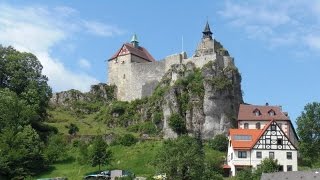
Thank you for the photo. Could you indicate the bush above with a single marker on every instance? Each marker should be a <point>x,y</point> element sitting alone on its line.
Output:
<point>219,143</point>
<point>177,123</point>
<point>56,148</point>
<point>127,140</point>
<point>144,128</point>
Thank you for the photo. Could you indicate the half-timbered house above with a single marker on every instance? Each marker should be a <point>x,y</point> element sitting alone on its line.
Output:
<point>260,135</point>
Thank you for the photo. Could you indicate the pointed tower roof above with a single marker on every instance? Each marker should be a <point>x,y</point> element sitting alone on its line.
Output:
<point>207,32</point>
<point>134,38</point>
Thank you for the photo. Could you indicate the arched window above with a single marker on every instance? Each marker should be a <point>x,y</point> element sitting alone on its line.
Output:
<point>246,125</point>
<point>258,125</point>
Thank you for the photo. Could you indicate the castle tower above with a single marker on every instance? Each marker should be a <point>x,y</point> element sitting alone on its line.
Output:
<point>207,32</point>
<point>121,68</point>
<point>207,44</point>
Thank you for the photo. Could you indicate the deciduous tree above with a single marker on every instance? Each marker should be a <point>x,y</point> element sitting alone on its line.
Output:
<point>309,131</point>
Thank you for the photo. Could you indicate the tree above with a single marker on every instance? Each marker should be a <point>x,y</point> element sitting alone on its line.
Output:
<point>20,153</point>
<point>177,124</point>
<point>98,153</point>
<point>56,148</point>
<point>21,73</point>
<point>219,143</point>
<point>183,159</point>
<point>308,129</point>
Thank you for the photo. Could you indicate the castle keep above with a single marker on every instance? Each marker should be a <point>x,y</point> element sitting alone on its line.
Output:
<point>136,73</point>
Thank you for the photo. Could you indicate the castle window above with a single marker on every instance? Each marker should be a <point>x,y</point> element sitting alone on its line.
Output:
<point>124,76</point>
<point>258,125</point>
<point>231,156</point>
<point>246,126</point>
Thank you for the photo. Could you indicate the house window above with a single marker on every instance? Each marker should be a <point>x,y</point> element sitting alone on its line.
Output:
<point>279,141</point>
<point>268,141</point>
<point>257,112</point>
<point>271,155</point>
<point>273,127</point>
<point>280,168</point>
<point>231,156</point>
<point>246,125</point>
<point>289,167</point>
<point>258,125</point>
<point>259,154</point>
<point>242,154</point>
<point>289,155</point>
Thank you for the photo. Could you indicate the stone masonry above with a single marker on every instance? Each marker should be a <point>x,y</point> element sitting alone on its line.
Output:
<point>135,73</point>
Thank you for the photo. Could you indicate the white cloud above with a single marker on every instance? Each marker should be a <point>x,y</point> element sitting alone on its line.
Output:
<point>84,63</point>
<point>101,29</point>
<point>278,23</point>
<point>36,30</point>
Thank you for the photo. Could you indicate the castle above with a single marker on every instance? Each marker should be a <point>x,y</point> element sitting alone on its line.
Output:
<point>136,73</point>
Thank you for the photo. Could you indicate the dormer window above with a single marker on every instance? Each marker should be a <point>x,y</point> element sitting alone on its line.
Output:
<point>257,112</point>
<point>271,113</point>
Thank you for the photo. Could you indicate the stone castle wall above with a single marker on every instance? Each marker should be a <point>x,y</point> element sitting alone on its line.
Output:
<point>136,80</point>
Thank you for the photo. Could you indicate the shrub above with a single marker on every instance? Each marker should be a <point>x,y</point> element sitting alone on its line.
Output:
<point>177,123</point>
<point>127,140</point>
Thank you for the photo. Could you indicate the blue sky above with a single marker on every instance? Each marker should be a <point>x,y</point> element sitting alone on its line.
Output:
<point>276,44</point>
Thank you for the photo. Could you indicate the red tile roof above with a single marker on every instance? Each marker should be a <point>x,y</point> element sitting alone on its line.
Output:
<point>137,51</point>
<point>244,144</point>
<point>247,112</point>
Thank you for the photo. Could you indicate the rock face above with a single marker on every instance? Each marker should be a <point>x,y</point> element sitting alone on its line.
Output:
<point>208,104</point>
<point>98,92</point>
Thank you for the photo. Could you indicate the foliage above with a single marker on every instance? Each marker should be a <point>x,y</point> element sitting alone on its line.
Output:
<point>98,152</point>
<point>219,143</point>
<point>21,153</point>
<point>267,165</point>
<point>144,128</point>
<point>177,123</point>
<point>221,82</point>
<point>127,140</point>
<point>72,129</point>
<point>21,73</point>
<point>308,129</point>
<point>180,159</point>
<point>56,148</point>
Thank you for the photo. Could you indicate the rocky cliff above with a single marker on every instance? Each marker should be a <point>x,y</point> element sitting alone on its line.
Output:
<point>99,92</point>
<point>188,100</point>
<point>207,99</point>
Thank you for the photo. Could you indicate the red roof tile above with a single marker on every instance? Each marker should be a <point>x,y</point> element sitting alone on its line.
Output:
<point>247,112</point>
<point>137,51</point>
<point>244,144</point>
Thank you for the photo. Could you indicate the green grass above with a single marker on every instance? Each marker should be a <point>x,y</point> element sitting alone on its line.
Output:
<point>137,159</point>
<point>86,123</point>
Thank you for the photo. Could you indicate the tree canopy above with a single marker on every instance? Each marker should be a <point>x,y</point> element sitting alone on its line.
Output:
<point>309,131</point>
<point>24,97</point>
